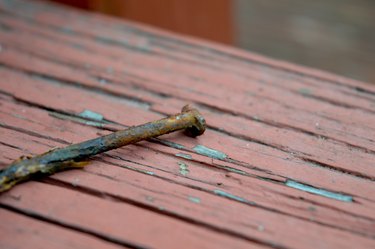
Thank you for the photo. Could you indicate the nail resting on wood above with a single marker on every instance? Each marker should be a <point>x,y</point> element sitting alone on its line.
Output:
<point>73,156</point>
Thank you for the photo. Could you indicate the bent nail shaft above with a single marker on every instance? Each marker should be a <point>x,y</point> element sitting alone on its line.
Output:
<point>189,120</point>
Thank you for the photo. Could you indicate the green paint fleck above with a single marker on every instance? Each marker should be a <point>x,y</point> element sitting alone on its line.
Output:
<point>317,191</point>
<point>108,40</point>
<point>194,199</point>
<point>75,119</point>
<point>78,46</point>
<point>95,124</point>
<point>144,46</point>
<point>235,170</point>
<point>150,198</point>
<point>312,208</point>
<point>109,70</point>
<point>256,118</point>
<point>91,115</point>
<point>18,116</point>
<point>172,144</point>
<point>183,155</point>
<point>150,173</point>
<point>305,91</point>
<point>184,170</point>
<point>233,197</point>
<point>203,150</point>
<point>66,30</point>
<point>139,170</point>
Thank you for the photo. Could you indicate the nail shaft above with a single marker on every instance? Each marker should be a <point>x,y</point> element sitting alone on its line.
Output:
<point>71,156</point>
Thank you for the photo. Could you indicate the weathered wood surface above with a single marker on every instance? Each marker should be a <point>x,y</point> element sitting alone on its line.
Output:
<point>277,132</point>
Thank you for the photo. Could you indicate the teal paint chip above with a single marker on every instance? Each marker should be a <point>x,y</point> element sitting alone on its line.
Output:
<point>91,115</point>
<point>203,150</point>
<point>305,91</point>
<point>184,169</point>
<point>233,197</point>
<point>194,199</point>
<point>150,173</point>
<point>317,191</point>
<point>183,155</point>
<point>172,144</point>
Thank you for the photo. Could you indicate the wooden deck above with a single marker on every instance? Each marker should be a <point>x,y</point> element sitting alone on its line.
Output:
<point>288,160</point>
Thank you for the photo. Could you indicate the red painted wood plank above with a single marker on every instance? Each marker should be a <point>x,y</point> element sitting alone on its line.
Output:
<point>333,129</point>
<point>19,231</point>
<point>152,48</point>
<point>277,132</point>
<point>121,221</point>
<point>127,185</point>
<point>277,137</point>
<point>56,128</point>
<point>320,128</point>
<point>35,91</point>
<point>262,193</point>
<point>58,15</point>
<point>38,90</point>
<point>97,46</point>
<point>296,172</point>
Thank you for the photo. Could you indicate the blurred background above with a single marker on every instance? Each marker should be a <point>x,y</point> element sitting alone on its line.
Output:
<point>333,35</point>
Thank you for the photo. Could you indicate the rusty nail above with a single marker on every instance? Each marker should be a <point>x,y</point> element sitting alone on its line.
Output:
<point>71,156</point>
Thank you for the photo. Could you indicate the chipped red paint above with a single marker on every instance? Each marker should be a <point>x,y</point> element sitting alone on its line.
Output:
<point>282,140</point>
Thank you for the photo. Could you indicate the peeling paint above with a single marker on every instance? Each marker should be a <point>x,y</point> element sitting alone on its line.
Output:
<point>109,70</point>
<point>184,170</point>
<point>203,150</point>
<point>183,155</point>
<point>139,170</point>
<point>106,40</point>
<point>92,123</point>
<point>312,208</point>
<point>19,116</point>
<point>75,119</point>
<point>256,118</point>
<point>91,115</point>
<point>194,199</point>
<point>102,81</point>
<point>172,144</point>
<point>305,91</point>
<point>144,45</point>
<point>150,198</point>
<point>150,173</point>
<point>75,182</point>
<point>233,197</point>
<point>142,171</point>
<point>235,170</point>
<point>66,30</point>
<point>260,228</point>
<point>317,191</point>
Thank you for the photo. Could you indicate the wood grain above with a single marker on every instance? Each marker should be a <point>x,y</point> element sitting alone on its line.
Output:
<point>287,161</point>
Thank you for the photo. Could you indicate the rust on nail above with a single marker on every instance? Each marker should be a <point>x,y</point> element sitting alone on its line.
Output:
<point>73,155</point>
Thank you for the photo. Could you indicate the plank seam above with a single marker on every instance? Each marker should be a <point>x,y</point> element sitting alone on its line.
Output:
<point>80,229</point>
<point>159,141</point>
<point>227,111</point>
<point>332,102</point>
<point>196,44</point>
<point>112,197</point>
<point>99,91</point>
<point>207,191</point>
